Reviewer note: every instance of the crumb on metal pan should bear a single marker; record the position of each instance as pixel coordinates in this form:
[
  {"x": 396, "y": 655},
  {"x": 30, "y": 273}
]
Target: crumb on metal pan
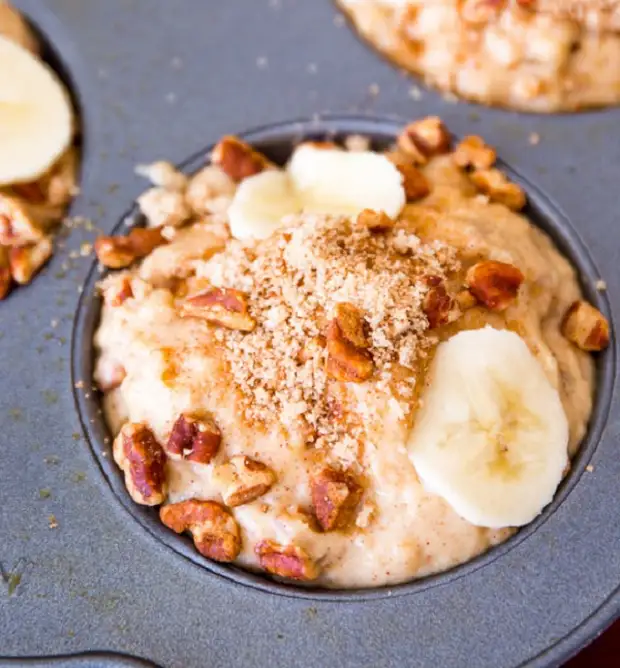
[
  {"x": 534, "y": 139},
  {"x": 600, "y": 285}
]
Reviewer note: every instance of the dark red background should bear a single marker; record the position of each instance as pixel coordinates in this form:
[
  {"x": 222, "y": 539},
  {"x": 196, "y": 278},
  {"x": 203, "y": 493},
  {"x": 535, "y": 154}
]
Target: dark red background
[{"x": 602, "y": 653}]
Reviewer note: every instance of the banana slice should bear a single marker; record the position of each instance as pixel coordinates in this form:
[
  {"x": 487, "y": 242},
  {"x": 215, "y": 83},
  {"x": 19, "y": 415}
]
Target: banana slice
[
  {"x": 491, "y": 436},
  {"x": 344, "y": 183},
  {"x": 36, "y": 123},
  {"x": 260, "y": 203}
]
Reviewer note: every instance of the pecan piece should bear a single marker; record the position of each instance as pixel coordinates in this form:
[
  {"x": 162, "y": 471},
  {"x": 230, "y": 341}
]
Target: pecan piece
[
  {"x": 415, "y": 184},
  {"x": 586, "y": 327},
  {"x": 495, "y": 284},
  {"x": 5, "y": 272},
  {"x": 498, "y": 188},
  {"x": 220, "y": 306},
  {"x": 473, "y": 152},
  {"x": 17, "y": 225},
  {"x": 244, "y": 479},
  {"x": 25, "y": 261},
  {"x": 347, "y": 357},
  {"x": 238, "y": 159},
  {"x": 438, "y": 305},
  {"x": 286, "y": 561},
  {"x": 335, "y": 497},
  {"x": 120, "y": 252},
  {"x": 196, "y": 440},
  {"x": 424, "y": 138},
  {"x": 374, "y": 221},
  {"x": 142, "y": 460},
  {"x": 214, "y": 530}
]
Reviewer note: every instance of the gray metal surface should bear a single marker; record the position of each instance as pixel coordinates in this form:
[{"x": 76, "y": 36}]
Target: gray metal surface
[{"x": 159, "y": 78}]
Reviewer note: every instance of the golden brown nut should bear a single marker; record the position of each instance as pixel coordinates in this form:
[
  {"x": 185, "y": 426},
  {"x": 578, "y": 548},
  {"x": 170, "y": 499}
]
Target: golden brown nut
[
  {"x": 286, "y": 561},
  {"x": 120, "y": 252},
  {"x": 415, "y": 184},
  {"x": 26, "y": 261},
  {"x": 220, "y": 306},
  {"x": 18, "y": 226},
  {"x": 214, "y": 530},
  {"x": 335, "y": 497},
  {"x": 244, "y": 480},
  {"x": 196, "y": 440},
  {"x": 238, "y": 159},
  {"x": 142, "y": 460},
  {"x": 425, "y": 138},
  {"x": 374, "y": 221},
  {"x": 347, "y": 357},
  {"x": 494, "y": 284},
  {"x": 5, "y": 272},
  {"x": 473, "y": 152},
  {"x": 586, "y": 327},
  {"x": 438, "y": 305},
  {"x": 498, "y": 188}
]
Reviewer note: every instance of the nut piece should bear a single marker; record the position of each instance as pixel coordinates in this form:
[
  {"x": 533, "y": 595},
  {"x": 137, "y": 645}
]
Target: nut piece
[
  {"x": 478, "y": 12},
  {"x": 424, "y": 138},
  {"x": 220, "y": 306},
  {"x": 5, "y": 272},
  {"x": 17, "y": 226},
  {"x": 494, "y": 183},
  {"x": 120, "y": 252},
  {"x": 347, "y": 358},
  {"x": 375, "y": 221},
  {"x": 586, "y": 327},
  {"x": 25, "y": 261},
  {"x": 245, "y": 480},
  {"x": 238, "y": 159},
  {"x": 142, "y": 460},
  {"x": 438, "y": 305},
  {"x": 162, "y": 206},
  {"x": 495, "y": 284},
  {"x": 286, "y": 561},
  {"x": 335, "y": 497},
  {"x": 196, "y": 440},
  {"x": 214, "y": 530},
  {"x": 473, "y": 152},
  {"x": 416, "y": 185},
  {"x": 116, "y": 289}
]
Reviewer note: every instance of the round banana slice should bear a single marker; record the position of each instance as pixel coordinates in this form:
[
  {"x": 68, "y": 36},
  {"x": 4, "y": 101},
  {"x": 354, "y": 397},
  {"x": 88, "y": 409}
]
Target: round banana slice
[
  {"x": 260, "y": 203},
  {"x": 491, "y": 436},
  {"x": 36, "y": 119},
  {"x": 339, "y": 182}
]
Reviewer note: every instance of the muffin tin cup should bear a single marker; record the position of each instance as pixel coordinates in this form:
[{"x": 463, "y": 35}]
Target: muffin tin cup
[{"x": 152, "y": 84}]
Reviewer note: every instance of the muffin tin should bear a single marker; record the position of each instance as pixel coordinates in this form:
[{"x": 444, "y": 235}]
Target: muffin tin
[{"x": 158, "y": 79}]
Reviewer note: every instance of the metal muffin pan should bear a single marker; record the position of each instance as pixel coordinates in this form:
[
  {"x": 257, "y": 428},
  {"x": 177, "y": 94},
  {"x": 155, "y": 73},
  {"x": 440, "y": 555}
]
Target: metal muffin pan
[{"x": 158, "y": 79}]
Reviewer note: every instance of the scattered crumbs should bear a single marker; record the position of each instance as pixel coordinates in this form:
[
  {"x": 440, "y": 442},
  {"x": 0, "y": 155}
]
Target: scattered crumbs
[
  {"x": 534, "y": 139},
  {"x": 78, "y": 476},
  {"x": 79, "y": 385},
  {"x": 71, "y": 633},
  {"x": 450, "y": 98},
  {"x": 15, "y": 413},
  {"x": 339, "y": 20},
  {"x": 601, "y": 286},
  {"x": 50, "y": 397},
  {"x": 104, "y": 453},
  {"x": 80, "y": 289},
  {"x": 48, "y": 336},
  {"x": 312, "y": 68},
  {"x": 589, "y": 468},
  {"x": 54, "y": 323},
  {"x": 60, "y": 301},
  {"x": 112, "y": 188},
  {"x": 311, "y": 612},
  {"x": 262, "y": 62},
  {"x": 45, "y": 493},
  {"x": 474, "y": 116},
  {"x": 280, "y": 636},
  {"x": 73, "y": 255},
  {"x": 52, "y": 522},
  {"x": 86, "y": 249},
  {"x": 62, "y": 340},
  {"x": 415, "y": 93},
  {"x": 52, "y": 460},
  {"x": 373, "y": 89},
  {"x": 75, "y": 436},
  {"x": 171, "y": 98},
  {"x": 13, "y": 581}
]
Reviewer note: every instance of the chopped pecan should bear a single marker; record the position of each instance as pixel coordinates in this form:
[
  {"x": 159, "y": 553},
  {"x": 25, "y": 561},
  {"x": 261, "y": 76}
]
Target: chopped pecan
[
  {"x": 214, "y": 530},
  {"x": 374, "y": 221},
  {"x": 194, "y": 439},
  {"x": 479, "y": 12},
  {"x": 238, "y": 159},
  {"x": 347, "y": 358},
  {"x": 220, "y": 306},
  {"x": 494, "y": 183},
  {"x": 495, "y": 284},
  {"x": 416, "y": 185},
  {"x": 473, "y": 152},
  {"x": 25, "y": 261},
  {"x": 286, "y": 561},
  {"x": 18, "y": 226},
  {"x": 5, "y": 272},
  {"x": 142, "y": 460},
  {"x": 244, "y": 480},
  {"x": 116, "y": 289},
  {"x": 120, "y": 252},
  {"x": 586, "y": 327},
  {"x": 438, "y": 305},
  {"x": 424, "y": 138},
  {"x": 335, "y": 497}
]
